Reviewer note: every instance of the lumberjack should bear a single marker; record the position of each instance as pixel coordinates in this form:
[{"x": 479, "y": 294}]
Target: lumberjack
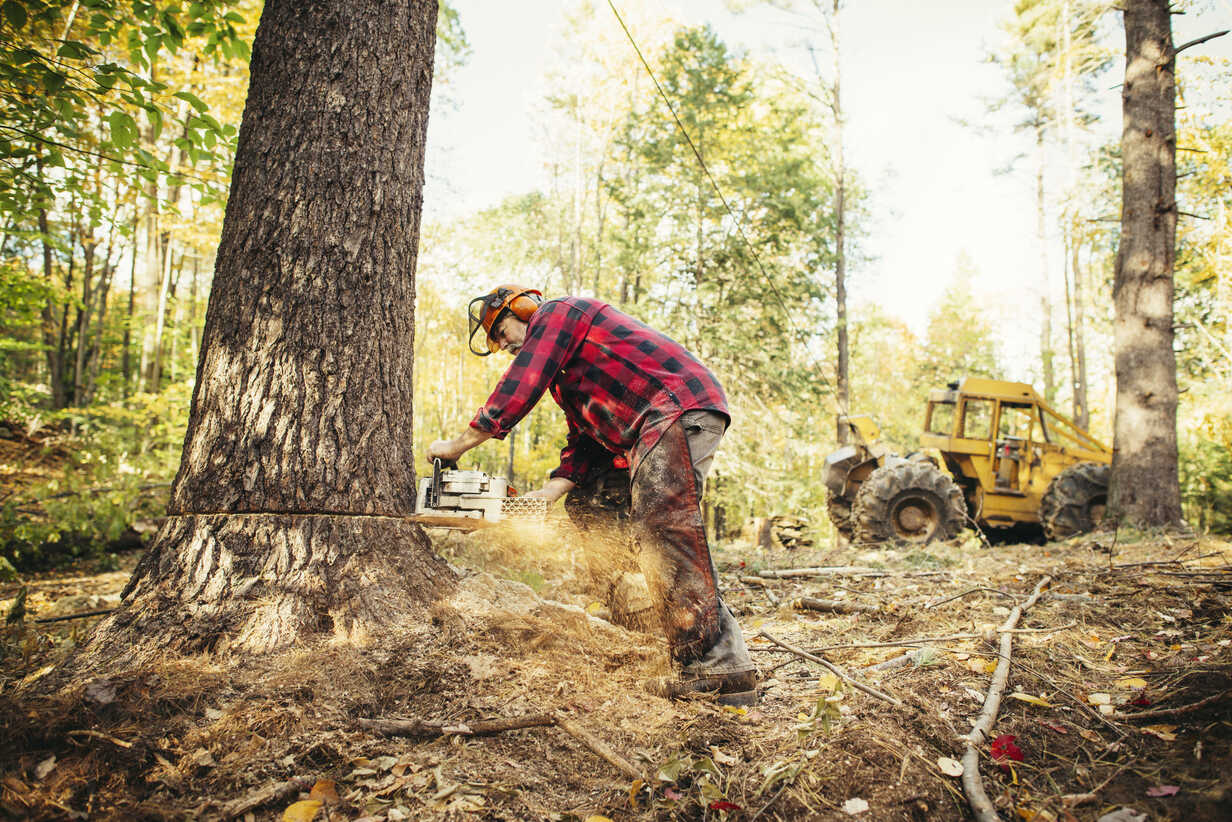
[{"x": 628, "y": 392}]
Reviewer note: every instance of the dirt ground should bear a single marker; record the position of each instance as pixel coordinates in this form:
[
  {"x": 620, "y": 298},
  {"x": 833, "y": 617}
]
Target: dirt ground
[{"x": 1120, "y": 696}]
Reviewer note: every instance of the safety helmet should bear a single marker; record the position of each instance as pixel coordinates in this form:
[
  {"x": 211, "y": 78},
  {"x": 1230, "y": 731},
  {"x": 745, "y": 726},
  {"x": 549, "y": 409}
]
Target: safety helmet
[{"x": 487, "y": 311}]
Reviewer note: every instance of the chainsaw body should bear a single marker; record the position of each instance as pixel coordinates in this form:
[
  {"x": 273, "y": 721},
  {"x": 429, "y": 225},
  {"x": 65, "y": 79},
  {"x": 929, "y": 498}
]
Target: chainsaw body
[{"x": 466, "y": 500}]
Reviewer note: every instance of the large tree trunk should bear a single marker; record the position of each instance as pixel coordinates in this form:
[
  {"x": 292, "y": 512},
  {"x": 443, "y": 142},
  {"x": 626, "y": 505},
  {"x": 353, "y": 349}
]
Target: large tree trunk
[
  {"x": 287, "y": 514},
  {"x": 1145, "y": 490}
]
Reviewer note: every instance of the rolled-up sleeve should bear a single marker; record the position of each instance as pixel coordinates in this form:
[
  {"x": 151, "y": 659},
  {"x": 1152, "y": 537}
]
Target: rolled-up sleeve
[{"x": 554, "y": 334}]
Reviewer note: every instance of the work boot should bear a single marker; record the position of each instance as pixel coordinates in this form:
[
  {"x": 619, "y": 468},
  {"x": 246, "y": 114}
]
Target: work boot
[{"x": 738, "y": 689}]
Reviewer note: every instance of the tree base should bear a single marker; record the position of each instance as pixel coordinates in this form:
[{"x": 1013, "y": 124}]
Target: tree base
[{"x": 260, "y": 582}]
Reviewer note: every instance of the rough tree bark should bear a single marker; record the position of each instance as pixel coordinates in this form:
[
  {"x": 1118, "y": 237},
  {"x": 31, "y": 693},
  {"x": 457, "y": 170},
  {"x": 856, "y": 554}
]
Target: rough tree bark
[
  {"x": 1145, "y": 489},
  {"x": 287, "y": 514}
]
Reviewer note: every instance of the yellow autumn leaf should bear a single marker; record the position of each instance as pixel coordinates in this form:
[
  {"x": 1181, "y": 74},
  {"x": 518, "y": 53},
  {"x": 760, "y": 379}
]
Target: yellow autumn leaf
[
  {"x": 1164, "y": 732},
  {"x": 325, "y": 791},
  {"x": 1033, "y": 700},
  {"x": 635, "y": 790},
  {"x": 827, "y": 681},
  {"x": 304, "y": 811},
  {"x": 981, "y": 665},
  {"x": 597, "y": 818},
  {"x": 1132, "y": 682}
]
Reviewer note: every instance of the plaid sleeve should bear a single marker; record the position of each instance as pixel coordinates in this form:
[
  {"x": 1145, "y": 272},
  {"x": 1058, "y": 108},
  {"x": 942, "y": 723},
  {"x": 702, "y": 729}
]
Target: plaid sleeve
[
  {"x": 577, "y": 457},
  {"x": 556, "y": 330}
]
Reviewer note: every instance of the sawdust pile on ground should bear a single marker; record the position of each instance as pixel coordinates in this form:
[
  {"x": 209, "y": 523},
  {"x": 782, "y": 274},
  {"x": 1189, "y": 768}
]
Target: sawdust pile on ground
[{"x": 194, "y": 735}]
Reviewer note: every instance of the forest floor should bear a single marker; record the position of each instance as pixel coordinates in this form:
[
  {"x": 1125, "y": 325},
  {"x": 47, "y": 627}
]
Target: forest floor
[{"x": 1119, "y": 697}]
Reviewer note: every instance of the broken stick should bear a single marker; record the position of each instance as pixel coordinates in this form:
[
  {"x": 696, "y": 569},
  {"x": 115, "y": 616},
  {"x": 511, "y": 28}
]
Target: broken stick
[
  {"x": 425, "y": 729},
  {"x": 263, "y": 796},
  {"x": 823, "y": 571},
  {"x": 832, "y": 606},
  {"x": 973, "y": 785},
  {"x": 834, "y": 669},
  {"x": 597, "y": 747}
]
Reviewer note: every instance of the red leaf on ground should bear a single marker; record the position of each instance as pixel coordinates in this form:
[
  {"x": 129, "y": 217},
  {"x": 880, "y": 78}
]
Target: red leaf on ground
[
  {"x": 1004, "y": 749},
  {"x": 1142, "y": 700},
  {"x": 724, "y": 805},
  {"x": 1163, "y": 790}
]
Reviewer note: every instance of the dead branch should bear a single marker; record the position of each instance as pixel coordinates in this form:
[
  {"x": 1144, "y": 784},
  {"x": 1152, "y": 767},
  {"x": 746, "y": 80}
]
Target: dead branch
[
  {"x": 1174, "y": 561},
  {"x": 1196, "y": 41},
  {"x": 99, "y": 735},
  {"x": 1183, "y": 709},
  {"x": 823, "y": 571},
  {"x": 81, "y": 615},
  {"x": 1064, "y": 627},
  {"x": 899, "y": 643},
  {"x": 270, "y": 793},
  {"x": 597, "y": 747},
  {"x": 832, "y": 606},
  {"x": 897, "y": 662},
  {"x": 425, "y": 729},
  {"x": 977, "y": 589},
  {"x": 973, "y": 785},
  {"x": 764, "y": 585},
  {"x": 832, "y": 668},
  {"x": 1073, "y": 800}
]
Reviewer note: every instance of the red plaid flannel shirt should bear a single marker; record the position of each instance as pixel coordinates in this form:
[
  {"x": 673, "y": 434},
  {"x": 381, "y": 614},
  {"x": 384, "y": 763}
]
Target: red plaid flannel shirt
[{"x": 620, "y": 383}]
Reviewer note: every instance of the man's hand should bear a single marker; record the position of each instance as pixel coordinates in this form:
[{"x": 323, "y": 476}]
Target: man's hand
[
  {"x": 555, "y": 488},
  {"x": 451, "y": 450}
]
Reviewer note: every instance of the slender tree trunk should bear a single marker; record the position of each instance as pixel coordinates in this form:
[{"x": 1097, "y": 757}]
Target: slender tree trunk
[
  {"x": 1041, "y": 233},
  {"x": 840, "y": 229},
  {"x": 88, "y": 246},
  {"x": 154, "y": 375},
  {"x": 1145, "y": 489},
  {"x": 1069, "y": 329},
  {"x": 287, "y": 516},
  {"x": 126, "y": 367},
  {"x": 51, "y": 347},
  {"x": 1083, "y": 413}
]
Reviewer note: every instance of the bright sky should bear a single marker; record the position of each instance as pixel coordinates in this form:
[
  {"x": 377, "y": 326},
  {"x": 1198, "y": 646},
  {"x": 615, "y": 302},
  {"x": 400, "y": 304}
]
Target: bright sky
[{"x": 910, "y": 71}]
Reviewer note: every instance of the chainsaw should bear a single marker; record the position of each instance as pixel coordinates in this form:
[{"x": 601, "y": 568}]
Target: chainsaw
[{"x": 469, "y": 500}]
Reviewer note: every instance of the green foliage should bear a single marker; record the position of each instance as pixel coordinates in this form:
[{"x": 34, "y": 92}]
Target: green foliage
[
  {"x": 1206, "y": 466},
  {"x": 114, "y": 466}
]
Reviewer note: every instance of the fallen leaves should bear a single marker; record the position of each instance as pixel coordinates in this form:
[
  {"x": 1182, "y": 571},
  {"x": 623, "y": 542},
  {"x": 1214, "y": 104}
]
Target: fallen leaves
[
  {"x": 303, "y": 811},
  {"x": 1031, "y": 700},
  {"x": 1004, "y": 750},
  {"x": 1163, "y": 790},
  {"x": 949, "y": 767},
  {"x": 854, "y": 806},
  {"x": 1164, "y": 732}
]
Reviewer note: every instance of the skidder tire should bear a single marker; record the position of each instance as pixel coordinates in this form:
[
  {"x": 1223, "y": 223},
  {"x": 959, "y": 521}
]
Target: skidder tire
[
  {"x": 1075, "y": 499},
  {"x": 839, "y": 509},
  {"x": 908, "y": 502}
]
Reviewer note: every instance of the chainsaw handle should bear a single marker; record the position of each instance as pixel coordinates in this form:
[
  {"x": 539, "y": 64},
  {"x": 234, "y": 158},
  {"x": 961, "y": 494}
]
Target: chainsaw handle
[{"x": 434, "y": 490}]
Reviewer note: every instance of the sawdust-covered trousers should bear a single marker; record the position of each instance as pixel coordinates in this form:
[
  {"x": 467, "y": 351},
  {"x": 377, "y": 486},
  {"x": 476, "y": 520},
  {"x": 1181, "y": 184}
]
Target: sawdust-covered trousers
[{"x": 702, "y": 633}]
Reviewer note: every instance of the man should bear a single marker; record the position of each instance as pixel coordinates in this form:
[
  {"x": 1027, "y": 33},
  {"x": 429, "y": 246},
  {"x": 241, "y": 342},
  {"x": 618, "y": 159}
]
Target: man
[{"x": 630, "y": 391}]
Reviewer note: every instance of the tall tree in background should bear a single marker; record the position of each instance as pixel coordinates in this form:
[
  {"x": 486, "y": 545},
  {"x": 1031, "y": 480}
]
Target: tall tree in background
[
  {"x": 285, "y": 517},
  {"x": 1145, "y": 488}
]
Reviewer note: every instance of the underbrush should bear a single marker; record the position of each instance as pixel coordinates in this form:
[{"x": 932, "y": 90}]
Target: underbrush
[{"x": 82, "y": 484}]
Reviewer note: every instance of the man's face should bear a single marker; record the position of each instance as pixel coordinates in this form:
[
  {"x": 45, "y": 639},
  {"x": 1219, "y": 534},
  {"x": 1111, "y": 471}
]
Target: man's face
[{"x": 510, "y": 335}]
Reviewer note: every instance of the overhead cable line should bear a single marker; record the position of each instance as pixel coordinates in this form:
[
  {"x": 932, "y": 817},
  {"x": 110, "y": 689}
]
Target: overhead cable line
[{"x": 731, "y": 213}]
